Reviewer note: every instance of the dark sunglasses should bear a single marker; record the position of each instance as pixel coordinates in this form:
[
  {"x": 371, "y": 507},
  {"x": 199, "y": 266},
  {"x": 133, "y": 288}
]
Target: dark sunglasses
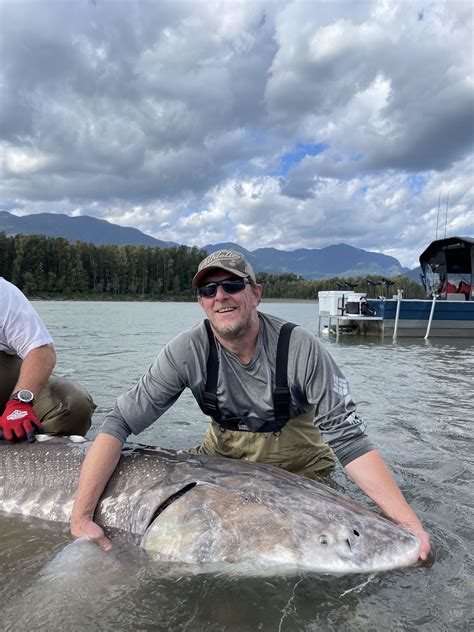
[{"x": 230, "y": 286}]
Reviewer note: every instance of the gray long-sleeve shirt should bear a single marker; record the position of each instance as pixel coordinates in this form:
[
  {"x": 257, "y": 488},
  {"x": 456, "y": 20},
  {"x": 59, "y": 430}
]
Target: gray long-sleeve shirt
[{"x": 246, "y": 390}]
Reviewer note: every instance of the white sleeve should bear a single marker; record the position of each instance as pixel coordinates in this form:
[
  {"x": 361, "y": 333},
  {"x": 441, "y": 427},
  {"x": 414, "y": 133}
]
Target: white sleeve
[{"x": 21, "y": 329}]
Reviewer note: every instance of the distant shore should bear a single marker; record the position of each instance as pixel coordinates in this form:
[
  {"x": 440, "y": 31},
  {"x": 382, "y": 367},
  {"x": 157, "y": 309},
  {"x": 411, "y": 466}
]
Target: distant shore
[
  {"x": 289, "y": 300},
  {"x": 138, "y": 299}
]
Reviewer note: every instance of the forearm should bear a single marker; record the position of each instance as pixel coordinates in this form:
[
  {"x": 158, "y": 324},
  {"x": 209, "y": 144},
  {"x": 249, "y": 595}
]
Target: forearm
[
  {"x": 35, "y": 369},
  {"x": 374, "y": 478},
  {"x": 98, "y": 467}
]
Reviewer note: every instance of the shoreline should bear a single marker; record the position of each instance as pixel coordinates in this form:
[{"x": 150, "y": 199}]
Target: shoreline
[{"x": 129, "y": 299}]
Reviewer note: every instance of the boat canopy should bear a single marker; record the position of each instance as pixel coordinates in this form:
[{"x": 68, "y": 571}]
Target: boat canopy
[{"x": 447, "y": 268}]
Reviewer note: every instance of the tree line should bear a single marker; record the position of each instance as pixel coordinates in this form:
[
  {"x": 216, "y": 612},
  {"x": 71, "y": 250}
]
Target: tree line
[
  {"x": 292, "y": 286},
  {"x": 52, "y": 267}
]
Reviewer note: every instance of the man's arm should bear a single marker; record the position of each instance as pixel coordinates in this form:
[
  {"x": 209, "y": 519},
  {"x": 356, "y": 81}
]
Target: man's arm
[
  {"x": 19, "y": 421},
  {"x": 341, "y": 427},
  {"x": 98, "y": 467},
  {"x": 135, "y": 410},
  {"x": 36, "y": 368},
  {"x": 374, "y": 478}
]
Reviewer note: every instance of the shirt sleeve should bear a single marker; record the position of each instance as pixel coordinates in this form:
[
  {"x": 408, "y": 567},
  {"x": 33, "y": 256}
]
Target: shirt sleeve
[
  {"x": 154, "y": 393},
  {"x": 22, "y": 330},
  {"x": 327, "y": 389}
]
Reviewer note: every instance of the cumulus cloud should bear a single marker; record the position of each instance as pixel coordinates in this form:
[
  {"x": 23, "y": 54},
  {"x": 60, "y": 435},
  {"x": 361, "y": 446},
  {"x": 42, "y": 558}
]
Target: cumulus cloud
[{"x": 283, "y": 123}]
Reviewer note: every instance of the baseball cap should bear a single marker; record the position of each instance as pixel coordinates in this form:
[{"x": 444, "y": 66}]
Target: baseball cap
[{"x": 228, "y": 260}]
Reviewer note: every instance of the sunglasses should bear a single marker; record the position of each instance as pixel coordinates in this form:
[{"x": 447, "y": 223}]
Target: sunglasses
[{"x": 230, "y": 286}]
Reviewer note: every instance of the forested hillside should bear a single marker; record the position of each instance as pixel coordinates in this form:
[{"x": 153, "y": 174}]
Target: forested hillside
[{"x": 51, "y": 267}]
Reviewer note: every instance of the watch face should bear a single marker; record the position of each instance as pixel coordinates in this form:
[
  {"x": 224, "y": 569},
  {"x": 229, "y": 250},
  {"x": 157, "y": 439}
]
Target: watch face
[{"x": 25, "y": 396}]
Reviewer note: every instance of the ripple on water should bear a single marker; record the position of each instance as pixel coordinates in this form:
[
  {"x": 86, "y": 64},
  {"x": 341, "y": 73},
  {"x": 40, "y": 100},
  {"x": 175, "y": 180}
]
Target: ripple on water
[{"x": 417, "y": 401}]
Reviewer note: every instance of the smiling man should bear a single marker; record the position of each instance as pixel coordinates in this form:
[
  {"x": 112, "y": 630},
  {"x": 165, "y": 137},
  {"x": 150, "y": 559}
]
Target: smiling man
[{"x": 273, "y": 393}]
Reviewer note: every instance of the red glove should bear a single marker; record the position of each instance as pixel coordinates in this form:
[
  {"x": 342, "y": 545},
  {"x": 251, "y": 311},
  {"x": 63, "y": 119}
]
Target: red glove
[{"x": 19, "y": 422}]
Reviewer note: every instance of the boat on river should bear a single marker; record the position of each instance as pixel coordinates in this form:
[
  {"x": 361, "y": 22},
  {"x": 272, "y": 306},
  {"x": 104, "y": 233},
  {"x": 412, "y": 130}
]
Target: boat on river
[{"x": 447, "y": 267}]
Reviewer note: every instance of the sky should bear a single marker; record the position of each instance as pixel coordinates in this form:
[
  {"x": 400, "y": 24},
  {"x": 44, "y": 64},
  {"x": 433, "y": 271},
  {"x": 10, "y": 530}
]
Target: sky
[{"x": 286, "y": 124}]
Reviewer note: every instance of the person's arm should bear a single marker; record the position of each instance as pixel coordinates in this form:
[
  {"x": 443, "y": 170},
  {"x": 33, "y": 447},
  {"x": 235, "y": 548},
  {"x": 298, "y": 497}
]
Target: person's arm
[
  {"x": 374, "y": 478},
  {"x": 36, "y": 369},
  {"x": 134, "y": 411},
  {"x": 344, "y": 431},
  {"x": 98, "y": 467},
  {"x": 25, "y": 335},
  {"x": 19, "y": 421},
  {"x": 319, "y": 378}
]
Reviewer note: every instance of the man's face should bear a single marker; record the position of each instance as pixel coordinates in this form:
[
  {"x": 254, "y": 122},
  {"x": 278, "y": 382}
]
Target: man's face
[{"x": 231, "y": 315}]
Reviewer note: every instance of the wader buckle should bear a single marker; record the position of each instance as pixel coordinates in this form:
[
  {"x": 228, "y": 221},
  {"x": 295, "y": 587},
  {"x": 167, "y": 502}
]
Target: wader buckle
[
  {"x": 281, "y": 401},
  {"x": 210, "y": 404}
]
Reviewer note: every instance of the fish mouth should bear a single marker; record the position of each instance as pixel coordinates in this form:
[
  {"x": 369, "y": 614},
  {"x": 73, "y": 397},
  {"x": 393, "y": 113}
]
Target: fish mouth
[{"x": 169, "y": 501}]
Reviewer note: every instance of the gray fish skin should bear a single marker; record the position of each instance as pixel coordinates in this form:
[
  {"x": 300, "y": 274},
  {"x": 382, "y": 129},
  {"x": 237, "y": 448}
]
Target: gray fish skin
[{"x": 232, "y": 515}]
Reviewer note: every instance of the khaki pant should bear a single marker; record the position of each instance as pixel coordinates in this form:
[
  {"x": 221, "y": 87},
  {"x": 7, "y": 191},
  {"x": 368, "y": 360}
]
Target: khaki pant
[
  {"x": 63, "y": 407},
  {"x": 298, "y": 448}
]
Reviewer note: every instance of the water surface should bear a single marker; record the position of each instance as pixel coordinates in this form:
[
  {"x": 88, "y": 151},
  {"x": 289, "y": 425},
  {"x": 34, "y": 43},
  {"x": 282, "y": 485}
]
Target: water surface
[{"x": 417, "y": 399}]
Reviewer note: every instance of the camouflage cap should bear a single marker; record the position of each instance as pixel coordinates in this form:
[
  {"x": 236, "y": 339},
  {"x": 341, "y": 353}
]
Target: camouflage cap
[{"x": 228, "y": 260}]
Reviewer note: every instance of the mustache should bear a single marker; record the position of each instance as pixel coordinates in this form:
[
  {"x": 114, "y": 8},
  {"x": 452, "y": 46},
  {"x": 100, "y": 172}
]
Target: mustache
[{"x": 219, "y": 306}]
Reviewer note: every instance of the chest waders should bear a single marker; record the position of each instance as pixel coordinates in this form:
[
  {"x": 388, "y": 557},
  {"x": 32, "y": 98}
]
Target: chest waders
[{"x": 294, "y": 444}]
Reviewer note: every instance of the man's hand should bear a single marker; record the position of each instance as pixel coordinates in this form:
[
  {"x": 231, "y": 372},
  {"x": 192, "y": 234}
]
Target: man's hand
[
  {"x": 19, "y": 422},
  {"x": 424, "y": 538},
  {"x": 89, "y": 529},
  {"x": 373, "y": 477},
  {"x": 98, "y": 467}
]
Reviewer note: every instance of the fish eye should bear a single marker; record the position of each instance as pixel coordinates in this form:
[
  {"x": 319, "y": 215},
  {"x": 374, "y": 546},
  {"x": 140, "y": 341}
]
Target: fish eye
[
  {"x": 323, "y": 540},
  {"x": 355, "y": 532}
]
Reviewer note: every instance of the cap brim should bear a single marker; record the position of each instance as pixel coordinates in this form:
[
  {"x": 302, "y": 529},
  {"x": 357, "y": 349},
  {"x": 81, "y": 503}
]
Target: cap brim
[{"x": 199, "y": 276}]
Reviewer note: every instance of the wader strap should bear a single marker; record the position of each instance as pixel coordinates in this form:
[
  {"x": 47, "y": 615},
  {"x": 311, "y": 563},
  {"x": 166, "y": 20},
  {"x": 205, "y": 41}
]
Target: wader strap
[
  {"x": 281, "y": 392},
  {"x": 210, "y": 406}
]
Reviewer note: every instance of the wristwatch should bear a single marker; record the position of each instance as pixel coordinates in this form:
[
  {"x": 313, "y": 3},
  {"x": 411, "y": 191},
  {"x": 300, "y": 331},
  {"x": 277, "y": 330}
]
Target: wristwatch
[{"x": 25, "y": 396}]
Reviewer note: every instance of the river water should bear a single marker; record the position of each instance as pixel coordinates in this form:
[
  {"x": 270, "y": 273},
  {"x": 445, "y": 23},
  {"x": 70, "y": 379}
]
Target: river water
[{"x": 417, "y": 399}]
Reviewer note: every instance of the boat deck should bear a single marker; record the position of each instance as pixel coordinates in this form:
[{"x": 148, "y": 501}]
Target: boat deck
[{"x": 352, "y": 320}]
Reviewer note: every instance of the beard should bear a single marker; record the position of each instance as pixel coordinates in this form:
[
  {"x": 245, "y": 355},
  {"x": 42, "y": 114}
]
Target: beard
[{"x": 233, "y": 331}]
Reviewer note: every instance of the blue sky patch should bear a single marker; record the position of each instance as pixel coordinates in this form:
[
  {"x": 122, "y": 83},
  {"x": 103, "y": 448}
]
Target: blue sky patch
[
  {"x": 416, "y": 183},
  {"x": 299, "y": 152}
]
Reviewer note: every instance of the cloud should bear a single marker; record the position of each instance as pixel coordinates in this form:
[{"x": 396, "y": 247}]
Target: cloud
[
  {"x": 382, "y": 89},
  {"x": 282, "y": 123}
]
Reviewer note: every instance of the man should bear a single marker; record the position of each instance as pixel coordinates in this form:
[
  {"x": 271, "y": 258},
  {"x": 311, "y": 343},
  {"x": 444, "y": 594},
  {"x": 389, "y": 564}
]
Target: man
[
  {"x": 31, "y": 400},
  {"x": 298, "y": 424}
]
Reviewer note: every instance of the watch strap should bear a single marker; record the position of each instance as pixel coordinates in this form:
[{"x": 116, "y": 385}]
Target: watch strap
[{"x": 15, "y": 397}]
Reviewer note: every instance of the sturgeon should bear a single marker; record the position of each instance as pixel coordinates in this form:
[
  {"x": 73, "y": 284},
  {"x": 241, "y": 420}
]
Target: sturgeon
[{"x": 208, "y": 513}]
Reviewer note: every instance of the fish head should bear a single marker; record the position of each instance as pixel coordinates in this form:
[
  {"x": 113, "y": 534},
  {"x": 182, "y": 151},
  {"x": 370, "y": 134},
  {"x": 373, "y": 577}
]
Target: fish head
[{"x": 269, "y": 527}]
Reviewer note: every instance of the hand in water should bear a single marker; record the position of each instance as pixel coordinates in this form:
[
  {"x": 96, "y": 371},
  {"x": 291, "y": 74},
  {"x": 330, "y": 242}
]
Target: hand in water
[
  {"x": 424, "y": 538},
  {"x": 425, "y": 544},
  {"x": 91, "y": 530}
]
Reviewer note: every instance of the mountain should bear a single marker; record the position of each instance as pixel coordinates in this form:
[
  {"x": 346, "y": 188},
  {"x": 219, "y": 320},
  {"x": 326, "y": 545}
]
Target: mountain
[
  {"x": 414, "y": 275},
  {"x": 311, "y": 263},
  {"x": 82, "y": 228},
  {"x": 338, "y": 260}
]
